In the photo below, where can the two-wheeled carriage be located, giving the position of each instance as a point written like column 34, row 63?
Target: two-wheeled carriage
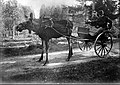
column 102, row 43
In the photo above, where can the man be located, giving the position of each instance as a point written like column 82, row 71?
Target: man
column 103, row 23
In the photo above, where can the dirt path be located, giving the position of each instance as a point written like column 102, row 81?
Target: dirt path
column 61, row 56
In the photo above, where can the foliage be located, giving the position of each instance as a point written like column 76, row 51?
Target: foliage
column 13, row 14
column 77, row 13
column 109, row 7
column 27, row 10
column 74, row 13
column 1, row 22
column 55, row 12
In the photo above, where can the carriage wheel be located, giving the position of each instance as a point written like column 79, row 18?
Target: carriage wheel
column 85, row 45
column 103, row 44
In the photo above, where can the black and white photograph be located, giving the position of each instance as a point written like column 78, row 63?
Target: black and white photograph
column 59, row 42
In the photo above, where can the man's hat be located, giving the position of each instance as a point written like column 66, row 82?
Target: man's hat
column 101, row 12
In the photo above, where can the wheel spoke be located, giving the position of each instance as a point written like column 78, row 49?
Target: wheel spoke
column 107, row 50
column 99, row 51
column 81, row 45
column 80, row 48
column 89, row 46
column 107, row 47
column 98, row 48
column 85, row 46
column 104, row 51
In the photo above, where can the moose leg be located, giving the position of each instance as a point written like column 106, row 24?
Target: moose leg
column 46, row 48
column 41, row 58
column 70, row 49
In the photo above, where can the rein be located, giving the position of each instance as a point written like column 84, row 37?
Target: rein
column 70, row 37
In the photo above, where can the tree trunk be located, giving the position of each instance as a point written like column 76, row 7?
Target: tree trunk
column 1, row 23
column 119, row 17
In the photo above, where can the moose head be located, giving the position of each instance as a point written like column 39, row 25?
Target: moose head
column 28, row 24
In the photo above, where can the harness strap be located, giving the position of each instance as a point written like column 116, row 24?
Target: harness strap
column 51, row 22
column 68, row 29
column 46, row 26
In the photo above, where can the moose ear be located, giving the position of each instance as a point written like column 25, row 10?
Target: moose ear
column 31, row 16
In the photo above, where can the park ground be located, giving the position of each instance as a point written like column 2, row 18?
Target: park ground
column 20, row 66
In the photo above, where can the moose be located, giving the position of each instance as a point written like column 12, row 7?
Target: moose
column 46, row 29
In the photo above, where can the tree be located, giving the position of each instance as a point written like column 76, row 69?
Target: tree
column 13, row 14
column 119, row 12
column 55, row 12
column 1, row 21
column 27, row 10
column 10, row 15
column 78, row 14
column 108, row 7
column 42, row 10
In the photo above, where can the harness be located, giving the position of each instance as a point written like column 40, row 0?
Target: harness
column 48, row 26
column 67, row 27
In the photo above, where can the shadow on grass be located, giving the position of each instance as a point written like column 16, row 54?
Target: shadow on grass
column 106, row 70
column 96, row 71
column 10, row 52
column 33, row 49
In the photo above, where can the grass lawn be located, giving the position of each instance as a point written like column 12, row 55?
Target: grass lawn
column 96, row 71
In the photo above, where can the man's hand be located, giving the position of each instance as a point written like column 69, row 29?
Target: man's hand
column 88, row 22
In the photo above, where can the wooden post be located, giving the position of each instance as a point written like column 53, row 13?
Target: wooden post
column 13, row 33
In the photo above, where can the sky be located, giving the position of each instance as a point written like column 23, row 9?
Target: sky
column 36, row 4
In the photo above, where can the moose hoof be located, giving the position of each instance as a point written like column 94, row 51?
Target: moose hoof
column 67, row 59
column 38, row 60
column 71, row 55
column 45, row 63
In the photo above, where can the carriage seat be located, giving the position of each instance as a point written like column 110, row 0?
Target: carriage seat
column 84, row 33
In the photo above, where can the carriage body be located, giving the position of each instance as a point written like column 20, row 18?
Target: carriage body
column 83, row 32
